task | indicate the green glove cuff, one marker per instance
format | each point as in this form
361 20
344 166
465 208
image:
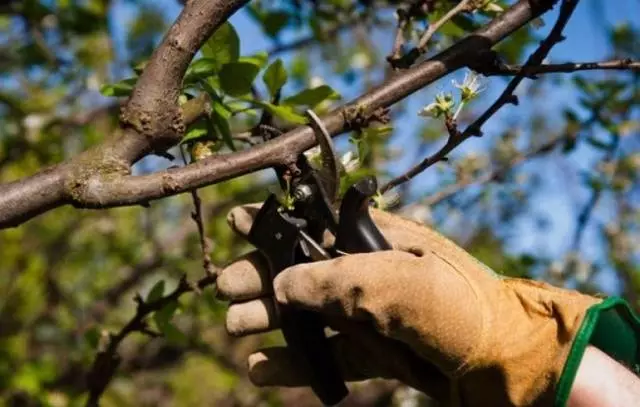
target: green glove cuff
610 326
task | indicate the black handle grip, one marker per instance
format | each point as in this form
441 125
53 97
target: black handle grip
357 233
276 236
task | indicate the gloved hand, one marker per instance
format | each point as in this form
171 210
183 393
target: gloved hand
426 313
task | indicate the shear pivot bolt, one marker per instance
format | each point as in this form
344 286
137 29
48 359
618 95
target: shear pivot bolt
302 193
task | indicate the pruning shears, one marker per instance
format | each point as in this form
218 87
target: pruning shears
290 235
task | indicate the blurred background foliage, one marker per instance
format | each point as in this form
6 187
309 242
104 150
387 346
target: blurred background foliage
550 192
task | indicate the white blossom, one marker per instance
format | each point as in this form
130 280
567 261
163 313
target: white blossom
470 87
441 106
350 161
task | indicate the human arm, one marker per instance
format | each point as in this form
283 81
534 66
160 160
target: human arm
603 382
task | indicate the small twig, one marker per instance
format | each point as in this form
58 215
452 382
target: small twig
554 37
404 18
568 67
585 214
198 218
507 97
107 360
464 5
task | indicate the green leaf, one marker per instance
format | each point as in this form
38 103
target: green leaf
260 59
163 316
223 46
92 337
119 89
220 117
284 112
274 22
139 67
236 78
157 291
198 130
312 97
174 335
202 68
275 77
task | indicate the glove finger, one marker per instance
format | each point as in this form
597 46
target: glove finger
246 278
361 356
251 317
241 218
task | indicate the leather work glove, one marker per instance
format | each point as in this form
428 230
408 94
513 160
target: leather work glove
426 313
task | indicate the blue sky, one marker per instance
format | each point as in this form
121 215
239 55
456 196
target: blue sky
562 194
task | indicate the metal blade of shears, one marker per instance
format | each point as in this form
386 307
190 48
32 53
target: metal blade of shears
312 249
329 174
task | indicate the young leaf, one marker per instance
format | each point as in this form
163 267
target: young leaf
274 22
156 292
220 117
198 130
312 97
119 89
223 46
275 77
259 59
236 78
174 335
287 113
202 68
163 316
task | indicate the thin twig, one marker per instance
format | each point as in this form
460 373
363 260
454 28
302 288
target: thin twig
508 97
585 214
198 218
107 360
454 140
464 5
404 18
568 67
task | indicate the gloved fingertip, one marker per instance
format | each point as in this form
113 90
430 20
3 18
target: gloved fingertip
274 367
250 317
295 285
258 375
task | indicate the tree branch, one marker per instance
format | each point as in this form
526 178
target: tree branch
567 67
507 96
107 360
455 137
100 189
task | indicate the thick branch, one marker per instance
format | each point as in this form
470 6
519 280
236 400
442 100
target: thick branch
99 190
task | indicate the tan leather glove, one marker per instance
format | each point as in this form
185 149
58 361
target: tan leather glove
426 313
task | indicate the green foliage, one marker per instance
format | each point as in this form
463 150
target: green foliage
236 78
312 97
223 46
156 292
275 77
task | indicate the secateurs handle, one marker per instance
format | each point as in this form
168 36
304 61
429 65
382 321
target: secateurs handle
277 237
357 233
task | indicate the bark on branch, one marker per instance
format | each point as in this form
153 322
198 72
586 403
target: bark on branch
100 178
